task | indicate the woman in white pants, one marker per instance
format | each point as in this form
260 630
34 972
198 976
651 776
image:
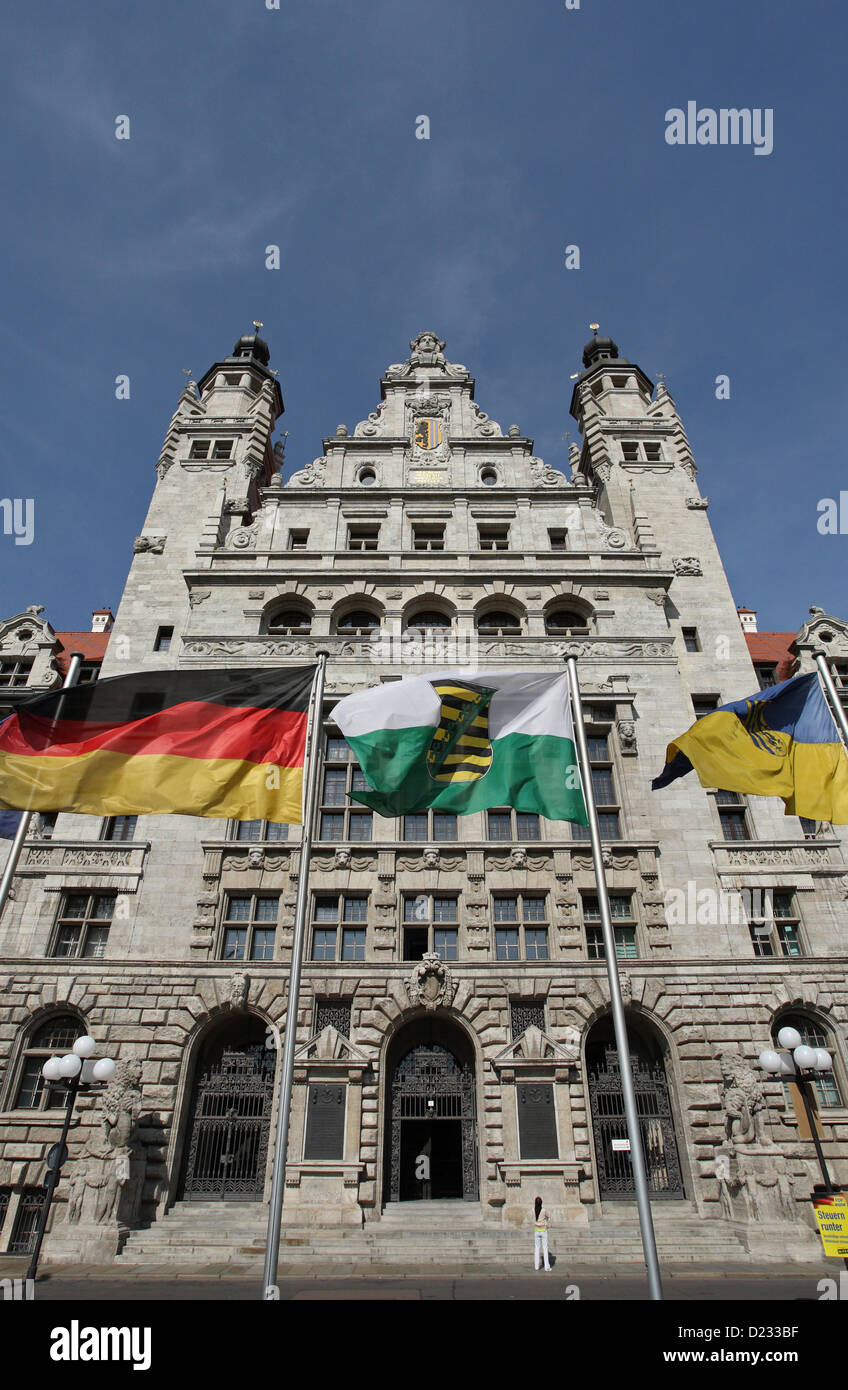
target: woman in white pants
542 1222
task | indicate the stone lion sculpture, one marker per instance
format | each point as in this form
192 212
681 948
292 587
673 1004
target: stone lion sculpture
743 1099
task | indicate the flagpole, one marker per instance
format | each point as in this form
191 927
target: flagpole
278 1172
830 686
26 819
637 1156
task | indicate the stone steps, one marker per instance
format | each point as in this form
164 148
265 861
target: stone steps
433 1233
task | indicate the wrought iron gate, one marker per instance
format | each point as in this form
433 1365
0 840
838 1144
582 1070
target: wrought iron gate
228 1144
429 1084
615 1171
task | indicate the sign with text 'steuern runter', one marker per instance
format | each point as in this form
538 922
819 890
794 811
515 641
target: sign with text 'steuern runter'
832 1216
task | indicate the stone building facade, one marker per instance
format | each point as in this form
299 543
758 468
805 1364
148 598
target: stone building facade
454 1039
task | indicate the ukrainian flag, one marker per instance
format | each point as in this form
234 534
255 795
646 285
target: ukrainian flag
781 742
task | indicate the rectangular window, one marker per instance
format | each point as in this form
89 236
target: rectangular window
775 932
324 943
630 450
536 943
528 910
494 537
445 942
325 1121
653 451
732 815
256 830
222 448
164 636
200 448
14 673
360 825
537 1130
558 537
690 639
444 826
298 539
766 673
82 927
353 943
415 827
603 783
429 911
704 704
506 943
506 826
332 826
339 909
120 828
428 537
249 926
499 825
342 775
526 825
624 928
363 537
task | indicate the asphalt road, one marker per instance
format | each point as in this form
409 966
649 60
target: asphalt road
683 1286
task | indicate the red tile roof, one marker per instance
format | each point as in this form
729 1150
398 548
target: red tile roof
91 645
773 647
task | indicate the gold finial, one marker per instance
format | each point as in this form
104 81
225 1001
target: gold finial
188 372
275 371
257 324
574 376
594 327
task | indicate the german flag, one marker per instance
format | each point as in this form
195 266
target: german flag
192 743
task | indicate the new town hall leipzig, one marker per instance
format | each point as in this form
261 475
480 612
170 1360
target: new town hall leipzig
454 1001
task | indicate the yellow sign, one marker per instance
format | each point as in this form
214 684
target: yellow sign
832 1216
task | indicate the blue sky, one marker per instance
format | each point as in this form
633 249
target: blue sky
297 127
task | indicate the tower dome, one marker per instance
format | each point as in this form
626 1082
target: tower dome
251 345
599 350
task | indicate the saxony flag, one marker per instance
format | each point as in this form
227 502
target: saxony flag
462 741
196 743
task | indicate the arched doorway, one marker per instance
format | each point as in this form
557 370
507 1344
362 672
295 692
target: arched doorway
653 1106
226 1144
431 1130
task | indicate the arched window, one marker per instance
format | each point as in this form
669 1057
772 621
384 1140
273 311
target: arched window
498 622
428 617
57 1034
358 622
290 622
814 1034
564 620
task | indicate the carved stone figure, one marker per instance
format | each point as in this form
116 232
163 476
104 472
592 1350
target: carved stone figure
152 544
687 565
743 1099
627 736
239 989
106 1179
430 983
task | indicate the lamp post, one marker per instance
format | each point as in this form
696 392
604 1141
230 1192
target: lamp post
79 1071
802 1064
